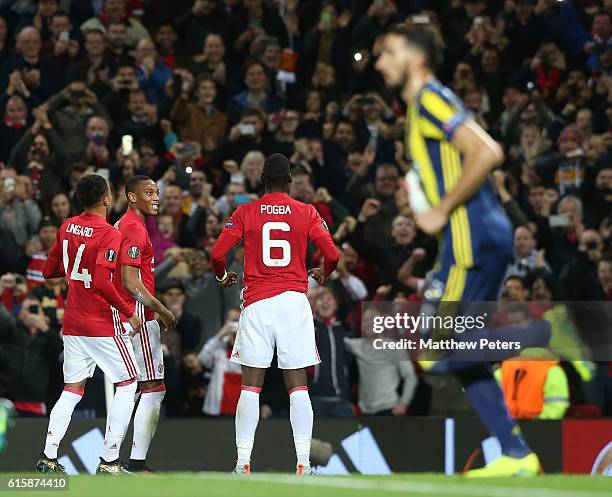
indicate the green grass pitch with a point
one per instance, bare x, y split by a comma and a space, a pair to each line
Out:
282, 485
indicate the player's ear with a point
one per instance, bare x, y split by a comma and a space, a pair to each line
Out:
290, 179
131, 197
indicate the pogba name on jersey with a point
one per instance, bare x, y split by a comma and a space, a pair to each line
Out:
274, 209
76, 229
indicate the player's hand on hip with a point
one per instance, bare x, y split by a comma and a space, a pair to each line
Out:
432, 221
135, 323
230, 279
168, 319
317, 274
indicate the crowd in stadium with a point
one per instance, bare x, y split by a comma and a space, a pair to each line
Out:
196, 93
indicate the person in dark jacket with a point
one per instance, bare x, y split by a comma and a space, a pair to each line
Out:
329, 384
31, 348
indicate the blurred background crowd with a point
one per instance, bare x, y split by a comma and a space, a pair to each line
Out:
196, 93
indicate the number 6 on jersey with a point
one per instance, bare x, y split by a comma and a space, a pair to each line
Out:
267, 245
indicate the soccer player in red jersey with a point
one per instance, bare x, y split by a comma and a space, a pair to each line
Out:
276, 312
137, 284
85, 251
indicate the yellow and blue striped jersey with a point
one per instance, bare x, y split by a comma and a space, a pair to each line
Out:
476, 228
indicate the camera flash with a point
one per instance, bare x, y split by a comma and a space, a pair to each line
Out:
188, 169
357, 56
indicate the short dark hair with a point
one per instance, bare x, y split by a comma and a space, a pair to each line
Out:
59, 13
123, 22
253, 113
276, 172
423, 38
91, 189
47, 222
254, 62
515, 277
276, 167
133, 182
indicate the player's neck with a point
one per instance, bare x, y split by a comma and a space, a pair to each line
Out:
286, 192
98, 211
417, 81
137, 212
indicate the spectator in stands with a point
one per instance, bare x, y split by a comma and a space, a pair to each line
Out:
379, 381
115, 10
328, 385
225, 376
226, 204
188, 326
6, 51
151, 71
199, 121
213, 62
142, 121
245, 136
526, 257
98, 66
379, 196
198, 194
255, 20
166, 40
31, 347
69, 112
39, 155
41, 245
15, 123
41, 76
61, 47
60, 207
117, 48
256, 93
19, 213
201, 20
564, 170
579, 276
205, 300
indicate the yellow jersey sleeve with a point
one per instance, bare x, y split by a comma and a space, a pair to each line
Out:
440, 113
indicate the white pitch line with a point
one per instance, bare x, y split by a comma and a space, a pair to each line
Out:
406, 486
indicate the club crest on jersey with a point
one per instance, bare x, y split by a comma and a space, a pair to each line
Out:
133, 252
324, 224
111, 255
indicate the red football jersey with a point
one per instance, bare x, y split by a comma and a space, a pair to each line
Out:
85, 251
136, 250
276, 230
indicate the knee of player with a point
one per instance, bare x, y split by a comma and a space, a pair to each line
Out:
127, 385
77, 388
151, 386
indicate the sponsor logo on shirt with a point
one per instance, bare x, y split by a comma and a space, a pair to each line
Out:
133, 252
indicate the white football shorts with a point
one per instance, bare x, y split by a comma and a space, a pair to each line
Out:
283, 321
148, 349
113, 355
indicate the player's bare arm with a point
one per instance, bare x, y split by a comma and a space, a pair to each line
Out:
481, 154
132, 283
